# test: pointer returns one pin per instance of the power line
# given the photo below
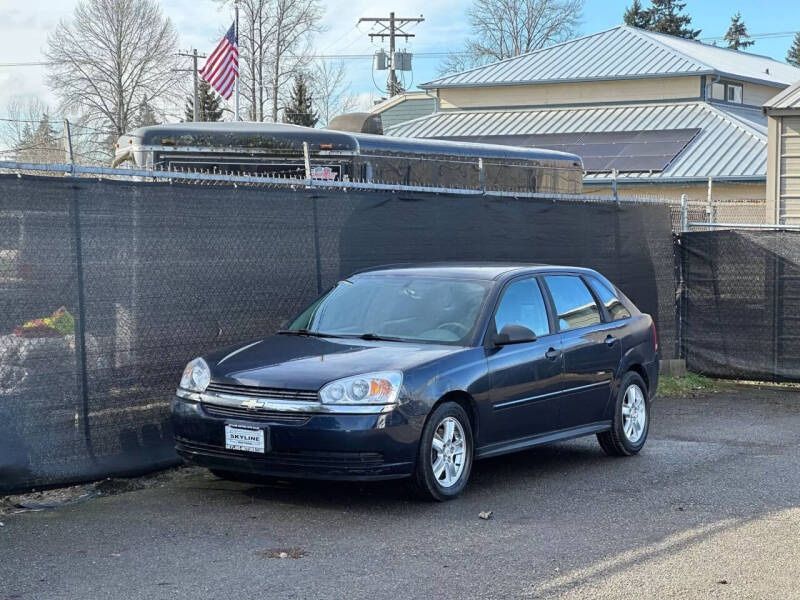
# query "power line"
(26, 64)
(755, 36)
(344, 56)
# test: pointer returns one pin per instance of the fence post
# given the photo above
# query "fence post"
(68, 146)
(614, 191)
(481, 175)
(307, 159)
(80, 325)
(710, 216)
(684, 226)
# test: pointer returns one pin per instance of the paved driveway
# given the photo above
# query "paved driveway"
(710, 509)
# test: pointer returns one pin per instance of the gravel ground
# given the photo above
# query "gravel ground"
(710, 509)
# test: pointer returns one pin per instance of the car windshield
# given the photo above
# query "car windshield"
(397, 307)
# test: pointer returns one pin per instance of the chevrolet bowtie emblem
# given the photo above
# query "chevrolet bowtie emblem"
(252, 404)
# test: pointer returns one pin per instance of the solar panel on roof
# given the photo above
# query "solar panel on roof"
(604, 151)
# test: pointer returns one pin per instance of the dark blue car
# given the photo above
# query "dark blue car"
(417, 371)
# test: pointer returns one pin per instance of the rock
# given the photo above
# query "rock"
(486, 514)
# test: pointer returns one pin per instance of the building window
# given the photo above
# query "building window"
(727, 92)
(733, 93)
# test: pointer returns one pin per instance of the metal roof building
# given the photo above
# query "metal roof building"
(727, 144)
(623, 53)
(404, 107)
(647, 109)
(783, 165)
(788, 99)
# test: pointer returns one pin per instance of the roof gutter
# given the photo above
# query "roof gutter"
(656, 180)
(716, 74)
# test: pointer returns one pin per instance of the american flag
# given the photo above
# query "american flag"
(222, 66)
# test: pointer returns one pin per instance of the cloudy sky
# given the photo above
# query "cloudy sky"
(24, 27)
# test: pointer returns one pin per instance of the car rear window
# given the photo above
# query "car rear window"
(574, 303)
(616, 309)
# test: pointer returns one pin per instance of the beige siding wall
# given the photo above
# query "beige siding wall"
(757, 95)
(696, 192)
(733, 202)
(571, 93)
(788, 162)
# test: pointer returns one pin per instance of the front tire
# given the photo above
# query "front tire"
(444, 458)
(631, 421)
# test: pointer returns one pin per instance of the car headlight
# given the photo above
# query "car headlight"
(196, 376)
(370, 388)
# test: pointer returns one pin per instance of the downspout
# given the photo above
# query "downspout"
(707, 90)
(435, 100)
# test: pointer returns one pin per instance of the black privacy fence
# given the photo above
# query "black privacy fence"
(108, 288)
(740, 304)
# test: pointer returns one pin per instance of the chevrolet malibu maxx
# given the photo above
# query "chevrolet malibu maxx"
(416, 371)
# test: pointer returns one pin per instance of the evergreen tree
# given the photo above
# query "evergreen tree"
(300, 111)
(145, 114)
(42, 144)
(666, 16)
(737, 36)
(636, 16)
(46, 134)
(793, 55)
(210, 104)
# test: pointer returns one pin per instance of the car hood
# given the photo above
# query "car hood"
(308, 363)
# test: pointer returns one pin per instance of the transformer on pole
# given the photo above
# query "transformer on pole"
(392, 28)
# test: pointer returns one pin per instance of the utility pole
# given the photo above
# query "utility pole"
(392, 28)
(196, 104)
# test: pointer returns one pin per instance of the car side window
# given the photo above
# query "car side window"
(616, 309)
(522, 304)
(575, 306)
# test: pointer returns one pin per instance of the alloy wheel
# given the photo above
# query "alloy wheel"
(634, 413)
(448, 452)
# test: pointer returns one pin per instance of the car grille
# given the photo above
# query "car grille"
(271, 416)
(262, 392)
(292, 458)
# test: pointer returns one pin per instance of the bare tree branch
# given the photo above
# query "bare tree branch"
(274, 46)
(329, 85)
(109, 57)
(506, 28)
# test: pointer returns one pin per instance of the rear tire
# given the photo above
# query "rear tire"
(444, 458)
(631, 422)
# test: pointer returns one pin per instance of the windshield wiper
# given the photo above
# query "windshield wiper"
(380, 338)
(307, 332)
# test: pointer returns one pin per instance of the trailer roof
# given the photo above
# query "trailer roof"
(284, 137)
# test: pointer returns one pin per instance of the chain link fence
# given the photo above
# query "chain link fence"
(43, 140)
(108, 287)
(740, 303)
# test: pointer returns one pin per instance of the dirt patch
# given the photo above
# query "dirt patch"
(65, 496)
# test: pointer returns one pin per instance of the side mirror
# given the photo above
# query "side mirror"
(513, 334)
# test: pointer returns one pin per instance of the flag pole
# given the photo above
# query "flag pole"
(236, 82)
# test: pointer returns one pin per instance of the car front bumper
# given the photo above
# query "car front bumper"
(299, 445)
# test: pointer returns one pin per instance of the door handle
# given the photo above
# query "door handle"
(610, 340)
(552, 353)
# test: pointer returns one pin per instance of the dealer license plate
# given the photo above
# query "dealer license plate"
(246, 439)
